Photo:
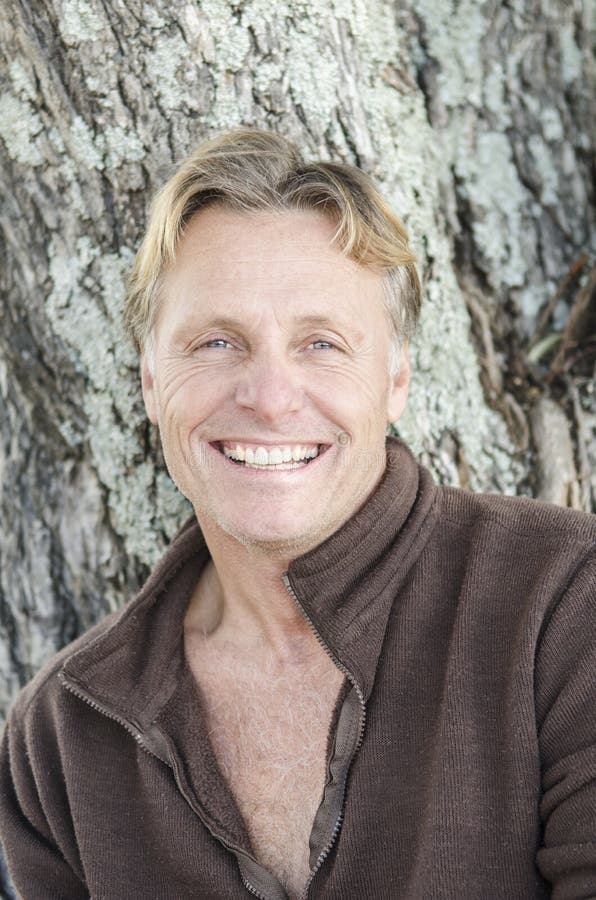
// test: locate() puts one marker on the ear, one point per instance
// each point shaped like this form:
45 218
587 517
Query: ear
398 390
148 388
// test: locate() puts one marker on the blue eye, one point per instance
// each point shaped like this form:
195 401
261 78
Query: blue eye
322 345
217 342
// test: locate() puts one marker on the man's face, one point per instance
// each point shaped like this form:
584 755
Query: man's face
268 337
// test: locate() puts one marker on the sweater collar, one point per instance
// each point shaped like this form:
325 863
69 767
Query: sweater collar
345 586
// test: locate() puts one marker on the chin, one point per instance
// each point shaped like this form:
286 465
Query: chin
274 537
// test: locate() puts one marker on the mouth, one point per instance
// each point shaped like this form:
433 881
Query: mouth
279 457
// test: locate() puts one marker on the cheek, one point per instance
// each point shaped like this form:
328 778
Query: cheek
355 399
191 400
364 388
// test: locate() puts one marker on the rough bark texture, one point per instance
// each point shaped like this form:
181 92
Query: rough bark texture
474 119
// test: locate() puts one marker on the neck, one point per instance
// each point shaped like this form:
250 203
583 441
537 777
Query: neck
241 601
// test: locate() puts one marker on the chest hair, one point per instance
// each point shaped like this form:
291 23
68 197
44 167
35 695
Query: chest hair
268 725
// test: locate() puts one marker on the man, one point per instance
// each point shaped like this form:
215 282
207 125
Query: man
341 681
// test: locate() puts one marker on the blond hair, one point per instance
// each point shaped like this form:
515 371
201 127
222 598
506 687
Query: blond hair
250 171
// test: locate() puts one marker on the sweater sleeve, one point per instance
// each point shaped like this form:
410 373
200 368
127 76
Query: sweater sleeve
566 717
36 864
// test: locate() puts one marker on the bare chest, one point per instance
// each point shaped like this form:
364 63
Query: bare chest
269 731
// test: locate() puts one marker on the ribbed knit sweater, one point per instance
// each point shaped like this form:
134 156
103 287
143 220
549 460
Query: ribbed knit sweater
461 754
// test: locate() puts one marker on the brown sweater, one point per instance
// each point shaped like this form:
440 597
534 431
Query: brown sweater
467 628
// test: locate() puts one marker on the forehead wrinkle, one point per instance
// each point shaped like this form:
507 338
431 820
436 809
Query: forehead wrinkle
300 252
264 288
259 271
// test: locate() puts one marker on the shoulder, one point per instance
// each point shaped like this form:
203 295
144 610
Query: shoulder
521 553
521 516
102 647
120 622
43 688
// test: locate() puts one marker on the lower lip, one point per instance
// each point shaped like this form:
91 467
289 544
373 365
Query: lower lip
253 470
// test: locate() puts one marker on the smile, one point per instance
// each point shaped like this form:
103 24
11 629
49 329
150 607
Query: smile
288 456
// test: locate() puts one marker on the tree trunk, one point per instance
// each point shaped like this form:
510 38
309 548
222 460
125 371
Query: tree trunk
473 118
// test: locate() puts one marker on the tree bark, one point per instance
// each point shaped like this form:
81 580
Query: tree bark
473 118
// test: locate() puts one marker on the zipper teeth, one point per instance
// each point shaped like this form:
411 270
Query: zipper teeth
327 849
253 890
134 732
325 852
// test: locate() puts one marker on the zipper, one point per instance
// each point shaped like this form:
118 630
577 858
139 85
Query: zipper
128 726
135 732
252 890
362 723
230 847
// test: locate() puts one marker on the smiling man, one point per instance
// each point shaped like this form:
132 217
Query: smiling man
272 399
342 681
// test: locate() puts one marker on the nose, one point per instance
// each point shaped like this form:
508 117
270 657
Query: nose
270 387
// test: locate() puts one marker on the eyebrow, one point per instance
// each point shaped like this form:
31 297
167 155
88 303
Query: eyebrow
311 321
231 322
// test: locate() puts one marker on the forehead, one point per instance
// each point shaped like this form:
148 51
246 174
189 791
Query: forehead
220 241
253 261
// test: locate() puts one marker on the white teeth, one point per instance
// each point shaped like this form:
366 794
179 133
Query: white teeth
285 457
261 456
